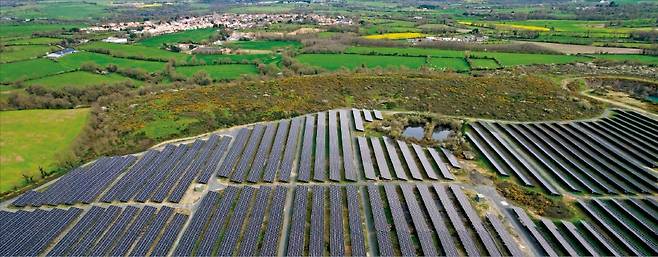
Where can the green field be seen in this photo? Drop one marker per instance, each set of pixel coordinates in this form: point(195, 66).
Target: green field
point(352, 61)
point(454, 64)
point(264, 45)
point(647, 59)
point(189, 36)
point(36, 68)
point(35, 138)
point(80, 79)
point(483, 64)
point(220, 72)
point(33, 41)
point(410, 51)
point(512, 59)
point(26, 30)
point(58, 10)
point(24, 52)
point(237, 58)
point(135, 51)
point(74, 61)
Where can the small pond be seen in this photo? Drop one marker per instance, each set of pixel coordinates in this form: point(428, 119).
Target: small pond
point(441, 133)
point(414, 132)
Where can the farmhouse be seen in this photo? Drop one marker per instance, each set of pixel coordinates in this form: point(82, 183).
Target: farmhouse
point(61, 53)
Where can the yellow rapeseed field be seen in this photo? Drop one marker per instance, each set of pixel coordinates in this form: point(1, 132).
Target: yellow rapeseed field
point(404, 35)
point(503, 26)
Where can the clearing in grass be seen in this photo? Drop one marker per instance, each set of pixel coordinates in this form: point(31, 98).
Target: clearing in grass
point(35, 138)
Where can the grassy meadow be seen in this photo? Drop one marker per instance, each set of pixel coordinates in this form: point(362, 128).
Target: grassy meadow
point(453, 64)
point(35, 138)
point(264, 44)
point(80, 79)
point(219, 72)
point(30, 69)
point(188, 36)
point(77, 59)
point(352, 61)
point(24, 52)
point(134, 51)
point(646, 59)
point(483, 64)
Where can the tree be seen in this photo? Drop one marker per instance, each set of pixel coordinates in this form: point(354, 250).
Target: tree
point(201, 78)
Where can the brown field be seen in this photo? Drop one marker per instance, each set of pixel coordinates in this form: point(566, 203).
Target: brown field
point(585, 49)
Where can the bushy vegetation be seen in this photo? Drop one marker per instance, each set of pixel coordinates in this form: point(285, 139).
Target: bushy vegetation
point(534, 201)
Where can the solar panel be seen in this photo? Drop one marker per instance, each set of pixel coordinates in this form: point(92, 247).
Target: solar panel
point(316, 238)
point(320, 168)
point(115, 231)
point(252, 231)
point(400, 222)
point(95, 232)
point(358, 121)
point(367, 115)
point(59, 223)
point(423, 232)
point(409, 160)
point(248, 155)
point(475, 221)
point(178, 171)
point(133, 231)
point(507, 239)
point(239, 143)
point(366, 158)
point(380, 158)
point(336, 243)
point(169, 235)
point(334, 152)
point(261, 154)
point(552, 229)
point(357, 241)
point(425, 163)
point(298, 221)
point(195, 228)
point(381, 223)
point(395, 159)
point(216, 223)
point(76, 232)
point(270, 240)
point(213, 161)
point(457, 223)
point(305, 162)
point(274, 159)
point(201, 163)
point(152, 232)
point(621, 222)
point(530, 226)
point(234, 226)
point(346, 144)
point(378, 115)
point(438, 223)
point(600, 239)
point(291, 149)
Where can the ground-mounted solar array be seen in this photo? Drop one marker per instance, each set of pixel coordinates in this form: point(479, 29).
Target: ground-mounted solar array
point(317, 185)
point(613, 155)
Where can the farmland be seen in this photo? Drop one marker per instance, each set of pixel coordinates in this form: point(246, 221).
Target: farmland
point(79, 79)
point(190, 36)
point(483, 64)
point(75, 60)
point(350, 61)
point(220, 72)
point(18, 53)
point(399, 35)
point(14, 71)
point(264, 45)
point(36, 138)
point(134, 51)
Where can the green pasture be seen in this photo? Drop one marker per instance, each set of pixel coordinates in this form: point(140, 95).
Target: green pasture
point(454, 64)
point(29, 69)
point(236, 58)
point(512, 59)
point(80, 79)
point(264, 44)
point(24, 52)
point(33, 41)
point(410, 51)
point(35, 138)
point(57, 10)
point(220, 72)
point(647, 59)
point(352, 61)
point(25, 30)
point(75, 60)
point(135, 51)
point(483, 64)
point(188, 36)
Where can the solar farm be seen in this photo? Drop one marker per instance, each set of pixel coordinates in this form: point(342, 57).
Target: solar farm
point(319, 185)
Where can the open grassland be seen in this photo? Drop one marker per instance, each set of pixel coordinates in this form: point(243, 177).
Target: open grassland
point(264, 44)
point(134, 51)
point(453, 64)
point(504, 26)
point(74, 10)
point(235, 58)
point(571, 26)
point(188, 36)
point(483, 64)
point(74, 61)
point(586, 49)
point(492, 97)
point(411, 51)
point(30, 69)
point(394, 36)
point(35, 138)
point(80, 79)
point(33, 41)
point(24, 52)
point(646, 59)
point(352, 61)
point(512, 59)
point(26, 30)
point(220, 72)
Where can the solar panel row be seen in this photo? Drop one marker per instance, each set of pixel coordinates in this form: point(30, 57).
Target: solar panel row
point(291, 150)
point(264, 147)
point(247, 156)
point(274, 159)
point(334, 147)
point(346, 144)
point(304, 170)
point(29, 233)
